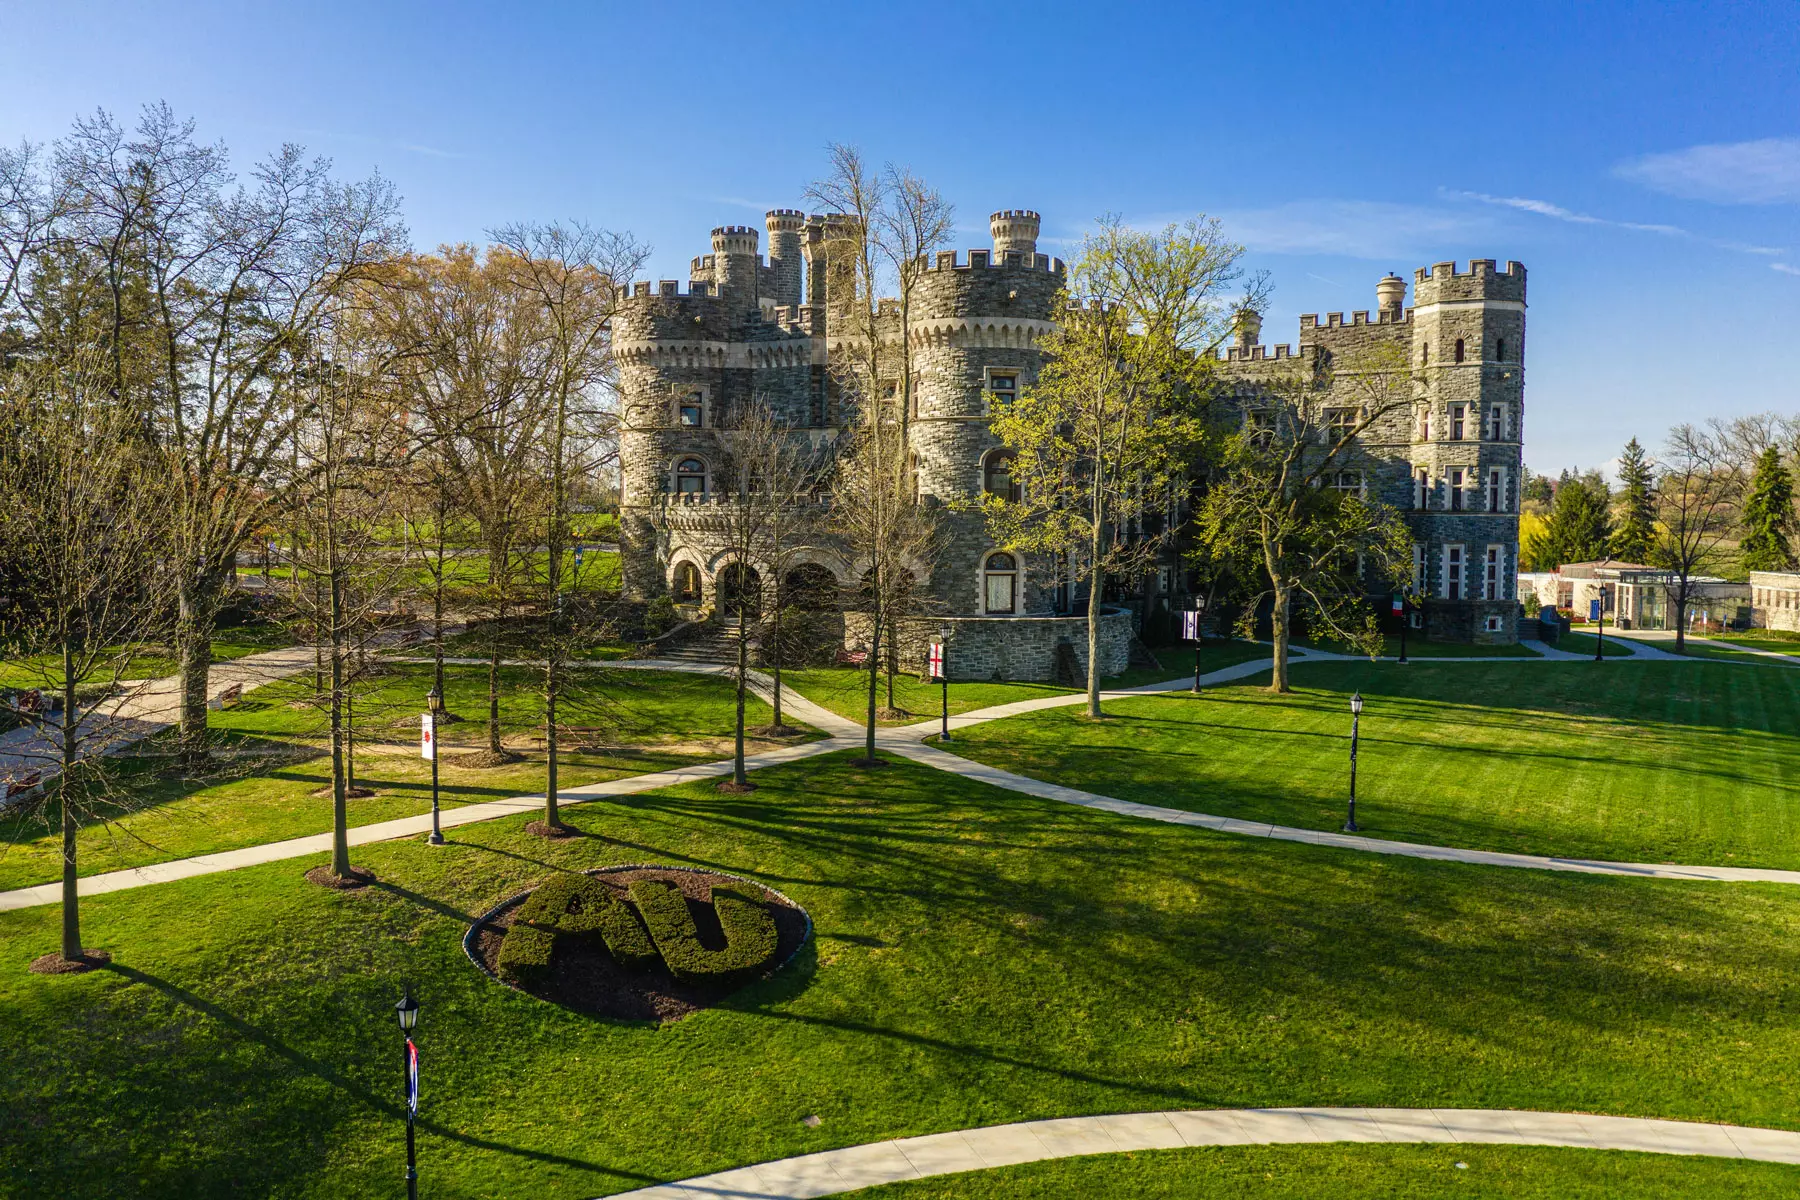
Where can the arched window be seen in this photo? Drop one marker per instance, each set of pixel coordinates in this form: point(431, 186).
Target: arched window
point(1000, 584)
point(997, 476)
point(690, 477)
point(687, 583)
point(1499, 349)
point(1459, 349)
point(740, 590)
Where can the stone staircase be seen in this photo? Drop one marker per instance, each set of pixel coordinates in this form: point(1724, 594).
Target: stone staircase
point(712, 643)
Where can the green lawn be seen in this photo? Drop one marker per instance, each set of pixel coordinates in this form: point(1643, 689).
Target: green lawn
point(1349, 1171)
point(1418, 647)
point(844, 690)
point(1656, 762)
point(1583, 643)
point(273, 758)
point(152, 661)
point(980, 957)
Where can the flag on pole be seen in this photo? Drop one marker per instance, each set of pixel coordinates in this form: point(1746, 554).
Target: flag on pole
point(427, 736)
point(412, 1078)
point(937, 660)
point(1399, 604)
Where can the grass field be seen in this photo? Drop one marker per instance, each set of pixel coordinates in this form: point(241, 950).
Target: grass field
point(980, 957)
point(272, 758)
point(844, 690)
point(1418, 647)
point(1583, 643)
point(1357, 1172)
point(1652, 762)
point(152, 661)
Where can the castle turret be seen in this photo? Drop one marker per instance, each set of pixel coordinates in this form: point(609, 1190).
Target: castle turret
point(735, 263)
point(784, 270)
point(1249, 330)
point(1390, 296)
point(1015, 232)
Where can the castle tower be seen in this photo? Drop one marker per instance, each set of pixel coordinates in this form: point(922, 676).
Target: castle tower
point(1015, 232)
point(735, 264)
point(783, 277)
point(1249, 331)
point(1468, 347)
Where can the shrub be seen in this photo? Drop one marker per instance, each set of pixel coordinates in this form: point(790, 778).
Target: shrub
point(572, 905)
point(750, 937)
point(659, 617)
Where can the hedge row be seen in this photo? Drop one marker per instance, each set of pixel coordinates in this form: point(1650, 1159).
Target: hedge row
point(750, 937)
point(571, 905)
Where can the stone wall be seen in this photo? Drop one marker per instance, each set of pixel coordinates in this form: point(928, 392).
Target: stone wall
point(1017, 648)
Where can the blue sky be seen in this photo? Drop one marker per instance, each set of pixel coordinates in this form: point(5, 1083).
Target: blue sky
point(1642, 161)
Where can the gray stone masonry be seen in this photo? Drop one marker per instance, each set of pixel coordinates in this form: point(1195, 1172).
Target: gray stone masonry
point(752, 333)
point(1018, 648)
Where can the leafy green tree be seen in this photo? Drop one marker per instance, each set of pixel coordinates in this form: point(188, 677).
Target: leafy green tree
point(1768, 520)
point(1537, 489)
point(1580, 526)
point(1635, 538)
point(1104, 438)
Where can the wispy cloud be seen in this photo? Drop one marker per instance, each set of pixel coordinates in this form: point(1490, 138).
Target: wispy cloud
point(429, 151)
point(1368, 229)
point(1766, 171)
point(1557, 212)
point(1785, 268)
point(738, 202)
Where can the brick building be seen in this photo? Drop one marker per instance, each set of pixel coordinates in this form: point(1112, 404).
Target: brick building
point(749, 331)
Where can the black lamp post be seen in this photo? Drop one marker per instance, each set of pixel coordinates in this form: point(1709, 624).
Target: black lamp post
point(1405, 618)
point(434, 704)
point(944, 678)
point(408, 1012)
point(1356, 705)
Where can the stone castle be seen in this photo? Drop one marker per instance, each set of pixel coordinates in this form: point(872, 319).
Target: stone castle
point(749, 331)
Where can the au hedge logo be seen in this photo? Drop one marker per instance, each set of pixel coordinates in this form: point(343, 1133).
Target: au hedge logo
point(654, 925)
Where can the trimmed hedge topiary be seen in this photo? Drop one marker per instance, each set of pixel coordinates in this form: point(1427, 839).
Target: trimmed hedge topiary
point(750, 935)
point(572, 906)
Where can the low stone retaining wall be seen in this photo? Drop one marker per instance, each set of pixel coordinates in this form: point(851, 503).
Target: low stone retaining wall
point(1019, 648)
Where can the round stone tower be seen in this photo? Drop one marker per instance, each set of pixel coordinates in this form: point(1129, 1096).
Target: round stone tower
point(974, 329)
point(735, 263)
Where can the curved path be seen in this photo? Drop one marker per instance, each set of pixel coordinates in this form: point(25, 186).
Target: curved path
point(833, 1172)
point(908, 742)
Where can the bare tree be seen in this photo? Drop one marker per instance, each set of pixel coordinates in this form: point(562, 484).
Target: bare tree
point(82, 507)
point(224, 289)
point(576, 275)
point(1699, 481)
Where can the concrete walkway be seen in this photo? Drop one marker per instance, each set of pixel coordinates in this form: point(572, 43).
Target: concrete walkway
point(833, 1172)
point(907, 742)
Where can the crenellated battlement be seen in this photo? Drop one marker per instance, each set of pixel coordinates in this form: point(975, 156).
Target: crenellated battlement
point(1482, 281)
point(1279, 353)
point(985, 260)
point(670, 289)
point(785, 220)
point(1336, 320)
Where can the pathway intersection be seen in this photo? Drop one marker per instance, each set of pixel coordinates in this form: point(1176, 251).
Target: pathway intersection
point(908, 741)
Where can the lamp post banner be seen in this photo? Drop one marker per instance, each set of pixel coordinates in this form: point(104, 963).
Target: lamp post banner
point(428, 736)
point(936, 660)
point(412, 1078)
point(1190, 625)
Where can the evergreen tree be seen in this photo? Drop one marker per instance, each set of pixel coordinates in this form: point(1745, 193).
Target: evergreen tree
point(1579, 526)
point(1635, 538)
point(1768, 521)
point(1537, 488)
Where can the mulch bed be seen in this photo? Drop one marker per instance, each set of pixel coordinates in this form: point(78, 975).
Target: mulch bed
point(357, 878)
point(56, 964)
point(540, 829)
point(482, 759)
point(590, 980)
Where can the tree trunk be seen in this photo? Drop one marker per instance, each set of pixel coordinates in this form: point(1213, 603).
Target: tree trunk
point(777, 664)
point(1096, 585)
point(1681, 607)
point(71, 895)
point(552, 815)
point(1278, 633)
point(738, 776)
point(193, 645)
point(340, 816)
point(874, 667)
point(493, 722)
